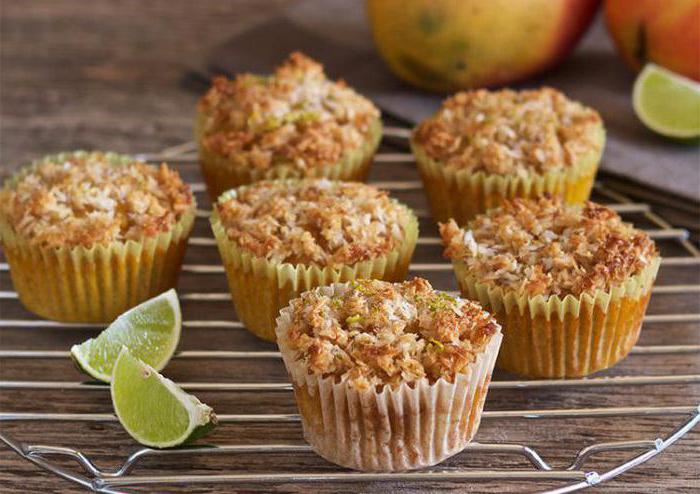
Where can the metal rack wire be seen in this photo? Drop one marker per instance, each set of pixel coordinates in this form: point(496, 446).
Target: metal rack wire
point(577, 475)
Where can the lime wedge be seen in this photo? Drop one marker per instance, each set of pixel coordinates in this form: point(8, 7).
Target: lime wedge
point(153, 409)
point(667, 103)
point(151, 332)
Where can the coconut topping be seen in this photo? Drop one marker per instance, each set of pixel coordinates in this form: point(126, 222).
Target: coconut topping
point(313, 221)
point(84, 199)
point(510, 132)
point(377, 333)
point(296, 117)
point(546, 248)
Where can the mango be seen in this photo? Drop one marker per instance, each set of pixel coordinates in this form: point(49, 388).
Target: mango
point(666, 32)
point(446, 45)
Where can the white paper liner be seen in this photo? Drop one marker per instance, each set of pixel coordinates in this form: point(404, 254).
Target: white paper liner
point(395, 429)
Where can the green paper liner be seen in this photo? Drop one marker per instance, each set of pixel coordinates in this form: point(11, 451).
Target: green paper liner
point(260, 288)
point(550, 337)
point(461, 194)
point(220, 174)
point(96, 284)
point(388, 430)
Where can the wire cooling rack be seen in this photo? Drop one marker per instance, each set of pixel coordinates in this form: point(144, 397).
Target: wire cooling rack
point(504, 460)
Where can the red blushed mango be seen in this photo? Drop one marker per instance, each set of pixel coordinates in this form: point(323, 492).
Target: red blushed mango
point(666, 32)
point(445, 45)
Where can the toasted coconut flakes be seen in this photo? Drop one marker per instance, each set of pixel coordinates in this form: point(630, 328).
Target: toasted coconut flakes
point(314, 221)
point(87, 200)
point(546, 248)
point(295, 117)
point(380, 333)
point(509, 132)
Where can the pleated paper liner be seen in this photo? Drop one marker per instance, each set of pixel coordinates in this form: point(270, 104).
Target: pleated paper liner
point(79, 284)
point(220, 174)
point(260, 288)
point(548, 337)
point(390, 430)
point(461, 195)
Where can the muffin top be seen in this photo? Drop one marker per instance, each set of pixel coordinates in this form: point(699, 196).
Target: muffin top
point(296, 117)
point(375, 333)
point(85, 199)
point(546, 248)
point(313, 221)
point(510, 132)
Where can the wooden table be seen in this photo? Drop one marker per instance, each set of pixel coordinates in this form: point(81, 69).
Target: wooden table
point(107, 75)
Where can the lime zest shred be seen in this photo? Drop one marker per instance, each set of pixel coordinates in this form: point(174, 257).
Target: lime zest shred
point(302, 116)
point(273, 122)
point(353, 319)
point(441, 301)
point(361, 286)
point(437, 345)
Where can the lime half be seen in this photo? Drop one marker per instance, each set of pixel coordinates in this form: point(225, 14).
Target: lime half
point(667, 103)
point(151, 332)
point(153, 409)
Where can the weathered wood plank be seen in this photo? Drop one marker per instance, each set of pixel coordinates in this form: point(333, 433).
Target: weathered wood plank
point(106, 75)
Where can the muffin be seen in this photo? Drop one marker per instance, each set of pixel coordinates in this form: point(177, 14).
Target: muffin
point(88, 235)
point(293, 124)
point(568, 283)
point(282, 237)
point(482, 147)
point(387, 376)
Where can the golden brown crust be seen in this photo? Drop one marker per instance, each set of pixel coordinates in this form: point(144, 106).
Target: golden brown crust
point(88, 199)
point(313, 221)
point(296, 117)
point(378, 333)
point(510, 132)
point(542, 247)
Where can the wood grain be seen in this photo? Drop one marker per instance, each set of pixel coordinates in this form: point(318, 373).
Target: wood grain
point(107, 75)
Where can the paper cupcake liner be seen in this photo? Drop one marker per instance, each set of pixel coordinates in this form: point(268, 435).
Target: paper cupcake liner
point(550, 337)
point(97, 284)
point(461, 195)
point(393, 429)
point(221, 175)
point(260, 288)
